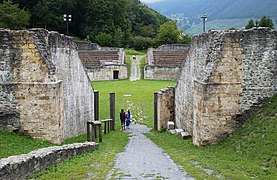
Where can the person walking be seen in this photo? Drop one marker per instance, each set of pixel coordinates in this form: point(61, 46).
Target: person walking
point(128, 119)
point(122, 116)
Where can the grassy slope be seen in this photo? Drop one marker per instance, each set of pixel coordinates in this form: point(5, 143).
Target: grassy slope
point(14, 144)
point(250, 152)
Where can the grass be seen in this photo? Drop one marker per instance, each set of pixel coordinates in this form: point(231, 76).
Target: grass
point(249, 153)
point(14, 144)
point(91, 165)
point(138, 96)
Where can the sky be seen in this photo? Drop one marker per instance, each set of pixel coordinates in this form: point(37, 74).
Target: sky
point(150, 1)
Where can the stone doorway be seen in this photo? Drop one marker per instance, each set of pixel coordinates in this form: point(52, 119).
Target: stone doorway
point(115, 74)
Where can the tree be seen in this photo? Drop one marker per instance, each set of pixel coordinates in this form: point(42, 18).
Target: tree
point(250, 24)
point(263, 22)
point(11, 16)
point(104, 39)
point(168, 33)
point(266, 22)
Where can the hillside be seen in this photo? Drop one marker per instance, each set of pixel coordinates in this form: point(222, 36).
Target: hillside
point(222, 11)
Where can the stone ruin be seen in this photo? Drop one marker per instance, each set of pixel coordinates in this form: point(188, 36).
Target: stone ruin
point(225, 76)
point(103, 63)
point(45, 91)
point(164, 63)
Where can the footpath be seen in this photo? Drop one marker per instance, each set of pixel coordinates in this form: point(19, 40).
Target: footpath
point(142, 159)
point(135, 68)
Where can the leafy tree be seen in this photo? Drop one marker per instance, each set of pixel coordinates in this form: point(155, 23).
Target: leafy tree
point(11, 16)
point(140, 43)
point(168, 33)
point(266, 22)
point(263, 22)
point(104, 39)
point(250, 24)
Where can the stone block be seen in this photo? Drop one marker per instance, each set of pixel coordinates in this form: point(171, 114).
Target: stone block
point(172, 131)
point(185, 135)
point(179, 131)
point(170, 125)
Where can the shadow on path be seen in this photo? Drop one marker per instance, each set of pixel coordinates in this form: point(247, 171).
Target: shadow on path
point(142, 159)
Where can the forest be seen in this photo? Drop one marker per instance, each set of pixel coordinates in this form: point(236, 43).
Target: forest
point(120, 23)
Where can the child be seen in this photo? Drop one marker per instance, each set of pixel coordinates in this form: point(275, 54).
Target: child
point(122, 119)
point(128, 120)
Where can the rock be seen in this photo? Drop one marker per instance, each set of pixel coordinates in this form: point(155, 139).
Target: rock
point(185, 135)
point(170, 125)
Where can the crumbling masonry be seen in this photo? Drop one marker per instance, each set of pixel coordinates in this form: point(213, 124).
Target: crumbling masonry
point(224, 76)
point(45, 91)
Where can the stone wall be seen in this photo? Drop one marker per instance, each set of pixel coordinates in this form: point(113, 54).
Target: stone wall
point(165, 107)
point(101, 62)
point(106, 72)
point(225, 74)
point(19, 167)
point(164, 62)
point(161, 73)
point(44, 69)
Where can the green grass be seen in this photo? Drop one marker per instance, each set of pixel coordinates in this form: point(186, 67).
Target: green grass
point(140, 100)
point(250, 152)
point(91, 165)
point(14, 144)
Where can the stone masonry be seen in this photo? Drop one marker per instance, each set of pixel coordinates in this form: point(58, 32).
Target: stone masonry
point(165, 107)
point(45, 91)
point(21, 166)
point(103, 63)
point(164, 62)
point(226, 74)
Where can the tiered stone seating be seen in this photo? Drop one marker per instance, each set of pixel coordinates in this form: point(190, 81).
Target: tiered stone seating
point(92, 58)
point(169, 58)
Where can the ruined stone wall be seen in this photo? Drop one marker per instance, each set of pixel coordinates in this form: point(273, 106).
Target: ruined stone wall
point(165, 107)
point(225, 74)
point(100, 62)
point(21, 166)
point(106, 72)
point(32, 64)
point(161, 73)
point(164, 62)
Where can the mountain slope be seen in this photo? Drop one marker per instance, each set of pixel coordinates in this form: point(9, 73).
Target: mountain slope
point(189, 11)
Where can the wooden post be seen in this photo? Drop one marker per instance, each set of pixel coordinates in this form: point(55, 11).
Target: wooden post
point(96, 105)
point(88, 131)
point(112, 110)
point(156, 110)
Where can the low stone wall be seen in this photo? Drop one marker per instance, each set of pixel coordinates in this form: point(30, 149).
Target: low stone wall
point(161, 72)
point(165, 107)
point(107, 72)
point(19, 167)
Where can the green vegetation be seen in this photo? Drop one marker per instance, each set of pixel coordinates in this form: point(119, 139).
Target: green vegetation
point(92, 165)
point(138, 96)
point(263, 22)
point(14, 144)
point(11, 16)
point(120, 23)
point(250, 152)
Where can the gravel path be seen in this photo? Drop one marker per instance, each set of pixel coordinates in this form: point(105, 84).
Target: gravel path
point(142, 159)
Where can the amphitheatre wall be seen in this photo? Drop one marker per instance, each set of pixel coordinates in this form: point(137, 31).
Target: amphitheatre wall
point(164, 62)
point(103, 63)
point(45, 91)
point(226, 74)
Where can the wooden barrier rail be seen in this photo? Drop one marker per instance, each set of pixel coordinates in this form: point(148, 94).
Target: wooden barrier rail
point(93, 126)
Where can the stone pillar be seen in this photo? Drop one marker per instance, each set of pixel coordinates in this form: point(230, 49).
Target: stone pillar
point(96, 105)
point(112, 110)
point(156, 110)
